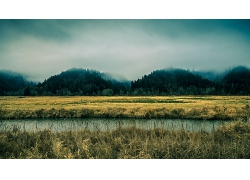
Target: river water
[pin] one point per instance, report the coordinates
(59, 125)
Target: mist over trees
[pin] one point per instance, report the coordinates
(237, 81)
(79, 82)
(171, 81)
(12, 83)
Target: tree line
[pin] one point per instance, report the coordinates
(171, 81)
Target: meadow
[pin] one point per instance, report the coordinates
(231, 140)
(139, 107)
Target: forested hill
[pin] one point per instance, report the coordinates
(160, 82)
(180, 82)
(172, 82)
(11, 83)
(237, 81)
(78, 82)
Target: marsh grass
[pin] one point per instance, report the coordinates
(228, 141)
(161, 107)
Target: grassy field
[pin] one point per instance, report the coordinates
(147, 107)
(229, 141)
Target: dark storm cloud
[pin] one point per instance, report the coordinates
(132, 48)
(48, 29)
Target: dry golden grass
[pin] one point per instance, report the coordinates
(229, 141)
(195, 107)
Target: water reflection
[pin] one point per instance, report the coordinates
(59, 125)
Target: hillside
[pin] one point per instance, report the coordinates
(171, 81)
(11, 83)
(79, 82)
(237, 81)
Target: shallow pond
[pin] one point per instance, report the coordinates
(59, 125)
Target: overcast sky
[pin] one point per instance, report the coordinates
(131, 48)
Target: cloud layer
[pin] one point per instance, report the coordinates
(41, 48)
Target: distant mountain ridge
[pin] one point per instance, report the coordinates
(170, 81)
(174, 81)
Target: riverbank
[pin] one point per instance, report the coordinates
(159, 107)
(227, 142)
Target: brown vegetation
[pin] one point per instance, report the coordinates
(229, 141)
(162, 107)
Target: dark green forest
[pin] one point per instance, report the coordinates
(172, 81)
(12, 83)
